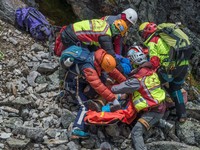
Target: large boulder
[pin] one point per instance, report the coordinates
(8, 8)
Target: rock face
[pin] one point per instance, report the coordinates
(7, 9)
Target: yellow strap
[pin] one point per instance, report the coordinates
(145, 123)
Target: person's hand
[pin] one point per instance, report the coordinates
(134, 71)
(115, 102)
(147, 64)
(124, 96)
(106, 108)
(126, 68)
(126, 60)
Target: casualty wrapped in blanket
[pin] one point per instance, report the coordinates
(125, 115)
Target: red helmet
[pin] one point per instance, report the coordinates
(146, 29)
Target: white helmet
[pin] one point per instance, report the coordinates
(136, 55)
(131, 15)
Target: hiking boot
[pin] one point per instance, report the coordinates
(114, 108)
(77, 133)
(93, 106)
(183, 118)
(166, 125)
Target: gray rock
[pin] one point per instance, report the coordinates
(9, 109)
(7, 9)
(1, 145)
(47, 67)
(13, 41)
(55, 142)
(21, 101)
(189, 132)
(12, 122)
(113, 130)
(60, 147)
(72, 146)
(88, 143)
(66, 118)
(37, 47)
(4, 135)
(16, 143)
(35, 134)
(51, 133)
(31, 78)
(166, 145)
(41, 88)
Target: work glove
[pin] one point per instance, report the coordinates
(126, 60)
(106, 108)
(126, 68)
(126, 64)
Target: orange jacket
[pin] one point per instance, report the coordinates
(92, 76)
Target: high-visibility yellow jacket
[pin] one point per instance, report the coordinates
(95, 32)
(149, 94)
(159, 53)
(89, 31)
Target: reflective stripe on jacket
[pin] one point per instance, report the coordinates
(88, 31)
(150, 93)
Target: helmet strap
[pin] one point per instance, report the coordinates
(123, 16)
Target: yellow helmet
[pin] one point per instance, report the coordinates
(121, 26)
(108, 63)
(143, 25)
(146, 29)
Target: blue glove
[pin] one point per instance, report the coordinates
(106, 108)
(126, 60)
(126, 68)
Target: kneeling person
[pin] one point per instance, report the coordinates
(148, 97)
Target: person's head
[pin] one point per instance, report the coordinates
(146, 29)
(108, 63)
(136, 55)
(130, 16)
(119, 27)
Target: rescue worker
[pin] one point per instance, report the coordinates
(148, 97)
(90, 72)
(172, 79)
(130, 17)
(94, 34)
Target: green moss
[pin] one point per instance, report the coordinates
(58, 11)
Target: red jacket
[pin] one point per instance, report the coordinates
(92, 76)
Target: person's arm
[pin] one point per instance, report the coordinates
(128, 86)
(95, 82)
(105, 42)
(117, 75)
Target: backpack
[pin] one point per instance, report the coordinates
(180, 45)
(59, 47)
(34, 22)
(79, 55)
